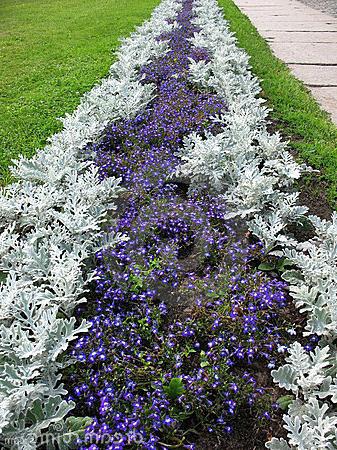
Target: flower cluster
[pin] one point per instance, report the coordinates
(51, 222)
(155, 376)
(255, 173)
(183, 322)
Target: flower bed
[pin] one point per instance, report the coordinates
(50, 225)
(187, 310)
(184, 324)
(254, 173)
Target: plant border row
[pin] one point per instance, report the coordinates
(254, 173)
(50, 226)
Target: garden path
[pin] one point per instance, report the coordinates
(327, 6)
(305, 39)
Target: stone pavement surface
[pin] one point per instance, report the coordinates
(327, 6)
(304, 38)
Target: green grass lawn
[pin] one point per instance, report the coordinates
(311, 132)
(51, 52)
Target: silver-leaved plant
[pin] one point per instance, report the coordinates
(50, 225)
(254, 173)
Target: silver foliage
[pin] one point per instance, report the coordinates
(254, 173)
(245, 163)
(50, 225)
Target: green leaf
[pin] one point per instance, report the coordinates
(175, 388)
(266, 267)
(284, 262)
(285, 401)
(3, 277)
(203, 359)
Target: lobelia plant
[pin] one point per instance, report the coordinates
(253, 172)
(180, 317)
(50, 224)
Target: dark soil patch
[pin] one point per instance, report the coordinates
(313, 191)
(312, 187)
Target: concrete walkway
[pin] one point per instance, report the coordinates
(326, 6)
(305, 39)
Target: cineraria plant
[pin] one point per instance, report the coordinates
(50, 224)
(311, 423)
(42, 258)
(314, 282)
(244, 163)
(254, 173)
(311, 419)
(180, 318)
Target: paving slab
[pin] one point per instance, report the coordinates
(276, 11)
(301, 37)
(296, 17)
(255, 4)
(315, 76)
(285, 25)
(327, 6)
(304, 38)
(327, 98)
(283, 14)
(274, 7)
(301, 52)
(258, 3)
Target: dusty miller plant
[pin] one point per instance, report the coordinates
(254, 173)
(50, 225)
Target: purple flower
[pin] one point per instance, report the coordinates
(179, 315)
